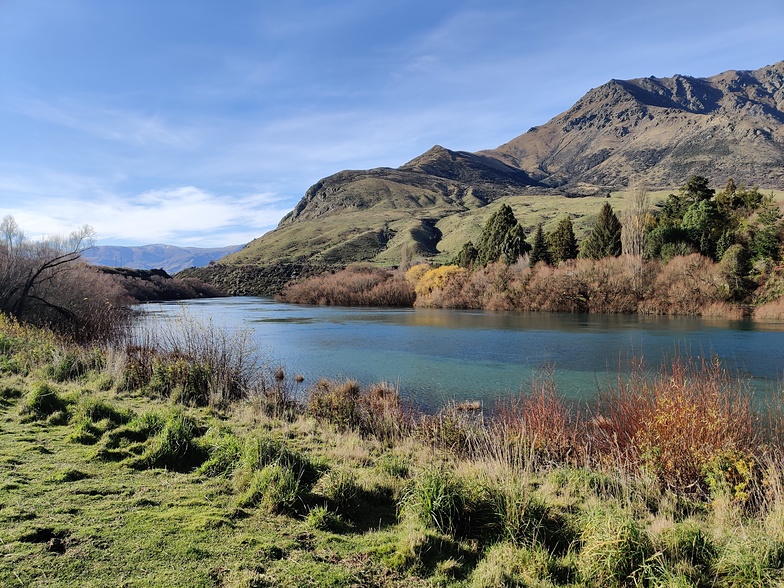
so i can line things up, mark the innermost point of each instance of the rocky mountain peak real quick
(661, 131)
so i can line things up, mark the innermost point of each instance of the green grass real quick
(114, 488)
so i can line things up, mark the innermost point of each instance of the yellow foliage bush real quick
(415, 273)
(435, 279)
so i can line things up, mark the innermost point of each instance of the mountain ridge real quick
(661, 131)
(655, 132)
(170, 258)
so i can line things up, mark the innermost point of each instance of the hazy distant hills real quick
(167, 257)
(656, 131)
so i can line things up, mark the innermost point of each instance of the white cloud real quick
(184, 215)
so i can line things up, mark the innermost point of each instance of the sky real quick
(201, 123)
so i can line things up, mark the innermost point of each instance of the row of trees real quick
(739, 225)
(503, 239)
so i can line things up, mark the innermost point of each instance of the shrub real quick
(383, 414)
(194, 361)
(686, 285)
(185, 382)
(336, 403)
(454, 428)
(356, 285)
(677, 422)
(542, 418)
(435, 279)
(377, 411)
(770, 311)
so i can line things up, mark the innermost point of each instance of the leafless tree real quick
(634, 222)
(44, 283)
(29, 267)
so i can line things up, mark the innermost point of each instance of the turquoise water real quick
(435, 356)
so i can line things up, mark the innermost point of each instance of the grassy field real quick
(115, 475)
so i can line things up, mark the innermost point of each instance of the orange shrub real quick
(677, 423)
(544, 420)
(356, 285)
(686, 285)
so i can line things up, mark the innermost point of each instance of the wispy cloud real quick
(124, 126)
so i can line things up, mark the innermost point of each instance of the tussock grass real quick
(93, 416)
(613, 549)
(512, 564)
(44, 401)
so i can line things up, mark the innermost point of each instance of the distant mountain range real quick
(655, 131)
(167, 257)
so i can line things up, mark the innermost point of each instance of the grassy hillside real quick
(133, 467)
(384, 236)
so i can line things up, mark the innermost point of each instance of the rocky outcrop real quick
(253, 280)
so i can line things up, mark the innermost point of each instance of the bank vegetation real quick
(700, 252)
(181, 457)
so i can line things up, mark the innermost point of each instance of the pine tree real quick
(561, 242)
(502, 238)
(467, 256)
(540, 251)
(605, 238)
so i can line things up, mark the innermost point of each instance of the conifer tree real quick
(605, 238)
(540, 250)
(562, 243)
(467, 256)
(502, 238)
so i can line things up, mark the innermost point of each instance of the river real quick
(436, 356)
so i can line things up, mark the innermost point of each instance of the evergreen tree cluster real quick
(738, 226)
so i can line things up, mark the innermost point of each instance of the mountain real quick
(655, 131)
(167, 257)
(662, 131)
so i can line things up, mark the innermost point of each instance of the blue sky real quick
(201, 123)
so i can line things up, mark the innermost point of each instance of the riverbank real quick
(195, 466)
(692, 285)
